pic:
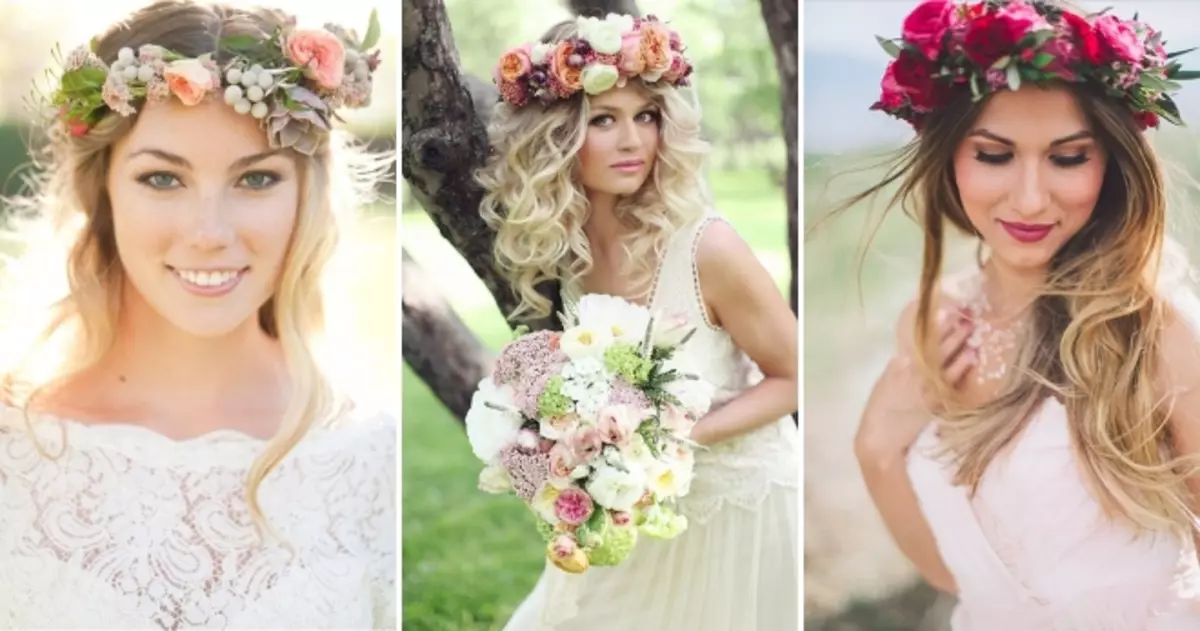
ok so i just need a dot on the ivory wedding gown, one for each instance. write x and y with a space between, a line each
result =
736 567
128 529
1033 550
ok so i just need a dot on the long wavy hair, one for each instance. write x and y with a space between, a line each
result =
534 202
66 224
1095 326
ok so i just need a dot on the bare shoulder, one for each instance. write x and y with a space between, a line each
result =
718 246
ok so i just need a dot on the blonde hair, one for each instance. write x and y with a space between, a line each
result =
69 216
1095 328
537 207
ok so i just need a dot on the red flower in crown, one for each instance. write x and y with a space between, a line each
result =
994 35
926 27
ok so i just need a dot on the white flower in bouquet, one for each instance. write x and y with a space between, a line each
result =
625 321
637 453
493 422
670 476
617 488
579 342
586 381
671 330
495 479
543 502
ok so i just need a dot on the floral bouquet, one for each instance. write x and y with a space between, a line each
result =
590 427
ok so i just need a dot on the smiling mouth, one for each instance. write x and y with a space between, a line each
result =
210 281
1027 233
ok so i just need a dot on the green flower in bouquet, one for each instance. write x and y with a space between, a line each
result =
616 542
626 361
553 403
661 522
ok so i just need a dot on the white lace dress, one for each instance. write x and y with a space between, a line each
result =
736 567
128 529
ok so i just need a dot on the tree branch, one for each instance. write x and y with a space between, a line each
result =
601 8
438 346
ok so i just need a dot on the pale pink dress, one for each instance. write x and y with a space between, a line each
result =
1032 551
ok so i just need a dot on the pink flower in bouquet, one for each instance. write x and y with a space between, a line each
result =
675 419
539 348
527 469
320 53
574 506
617 423
585 442
622 393
621 518
562 461
1119 39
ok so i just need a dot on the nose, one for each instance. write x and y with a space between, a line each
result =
629 140
1030 195
210 228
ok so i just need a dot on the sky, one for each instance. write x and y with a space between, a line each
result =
843 64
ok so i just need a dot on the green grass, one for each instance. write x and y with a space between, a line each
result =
468 557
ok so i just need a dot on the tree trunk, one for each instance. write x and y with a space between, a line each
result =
601 8
782 17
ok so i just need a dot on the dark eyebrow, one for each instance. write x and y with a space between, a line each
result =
180 161
983 133
609 108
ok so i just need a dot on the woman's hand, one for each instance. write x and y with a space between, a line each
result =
902 402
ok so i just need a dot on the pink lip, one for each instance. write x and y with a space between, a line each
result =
629 166
210 291
1027 233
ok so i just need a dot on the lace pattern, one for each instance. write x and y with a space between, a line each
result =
739 472
129 529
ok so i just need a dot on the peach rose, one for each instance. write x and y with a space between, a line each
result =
632 60
188 79
320 53
514 64
567 79
656 48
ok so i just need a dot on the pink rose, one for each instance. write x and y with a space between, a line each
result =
621 518
925 28
188 80
617 423
320 53
562 461
1119 39
656 48
892 95
632 61
573 506
675 420
585 442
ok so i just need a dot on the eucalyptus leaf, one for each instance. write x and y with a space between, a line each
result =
373 31
1180 52
1041 60
1001 63
1185 75
975 91
889 46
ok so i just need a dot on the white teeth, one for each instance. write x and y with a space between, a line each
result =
207 279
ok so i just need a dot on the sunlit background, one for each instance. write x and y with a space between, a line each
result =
852 568
469 558
363 311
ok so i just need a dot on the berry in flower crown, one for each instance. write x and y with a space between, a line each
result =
291 81
605 53
948 49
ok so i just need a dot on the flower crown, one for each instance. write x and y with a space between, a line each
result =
996 44
292 81
605 53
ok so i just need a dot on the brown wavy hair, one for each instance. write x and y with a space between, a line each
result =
1095 327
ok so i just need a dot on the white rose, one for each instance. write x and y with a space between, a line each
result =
623 22
582 341
539 52
670 330
490 430
543 502
605 37
494 479
626 321
616 489
636 452
597 78
665 480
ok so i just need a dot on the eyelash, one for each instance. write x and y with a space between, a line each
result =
655 117
148 179
1003 158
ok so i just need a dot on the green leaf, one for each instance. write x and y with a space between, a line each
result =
240 43
1041 60
1180 52
1014 78
1154 82
83 80
1002 62
372 35
975 91
1185 75
1041 37
889 46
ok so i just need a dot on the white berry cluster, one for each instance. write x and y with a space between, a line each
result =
138 67
247 90
355 90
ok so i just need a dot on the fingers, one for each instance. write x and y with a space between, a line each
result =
955 341
958 368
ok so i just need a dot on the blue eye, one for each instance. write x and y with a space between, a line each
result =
160 180
259 180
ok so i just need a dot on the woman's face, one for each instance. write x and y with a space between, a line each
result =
621 142
203 212
1029 174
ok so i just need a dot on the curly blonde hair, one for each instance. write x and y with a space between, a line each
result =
537 207
66 224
